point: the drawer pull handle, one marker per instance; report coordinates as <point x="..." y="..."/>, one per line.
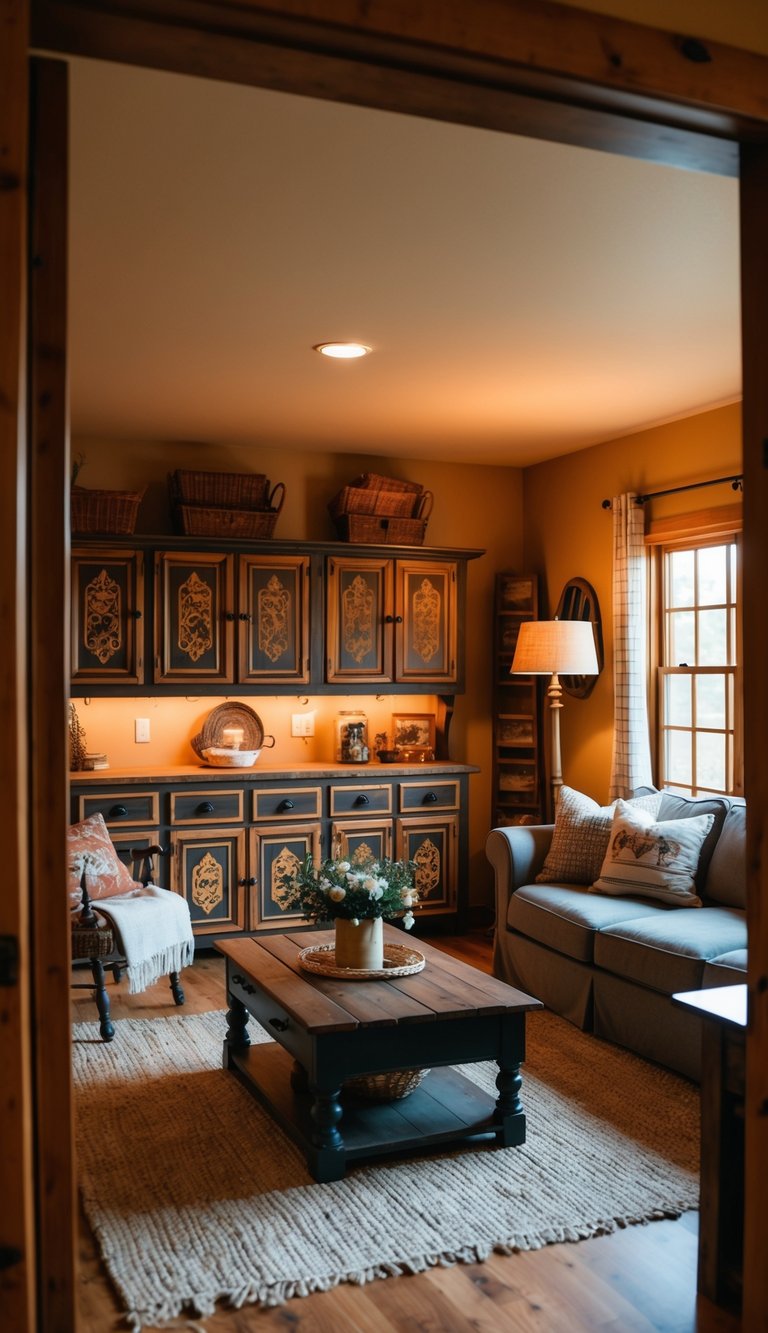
<point x="237" y="980"/>
<point x="279" y="1024"/>
<point x="284" y="805"/>
<point x="362" y="799"/>
<point x="205" y="808"/>
<point x="117" y="811"/>
<point x="429" y="798"/>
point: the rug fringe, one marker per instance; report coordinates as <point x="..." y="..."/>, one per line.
<point x="278" y="1293"/>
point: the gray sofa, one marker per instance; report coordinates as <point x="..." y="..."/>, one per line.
<point x="609" y="964"/>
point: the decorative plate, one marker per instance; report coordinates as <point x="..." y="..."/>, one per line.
<point x="399" y="961"/>
<point x="229" y="715"/>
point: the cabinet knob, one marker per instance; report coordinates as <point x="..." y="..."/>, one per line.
<point x="245" y="616"/>
<point x="246" y="884"/>
<point x="117" y="811"/>
<point x="398" y="620"/>
<point x="205" y="808"/>
<point x="429" y="798"/>
<point x="362" y="799"/>
<point x="229" y="615"/>
<point x="284" y="805"/>
<point x="134" y="615"/>
<point x="389" y="620"/>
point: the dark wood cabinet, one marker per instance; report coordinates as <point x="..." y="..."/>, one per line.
<point x="230" y="837"/>
<point x="326" y="617"/>
<point x="392" y="622"/>
<point x="107" y="617"/>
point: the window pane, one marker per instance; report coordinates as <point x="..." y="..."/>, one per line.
<point x="677" y="701"/>
<point x="679" y="764"/>
<point x="712" y="570"/>
<point x="710" y="701"/>
<point x="681" y="578"/>
<point x="681" y="649"/>
<point x="713" y="644"/>
<point x="710" y="761"/>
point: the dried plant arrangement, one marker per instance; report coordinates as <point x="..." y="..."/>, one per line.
<point x="77" y="743"/>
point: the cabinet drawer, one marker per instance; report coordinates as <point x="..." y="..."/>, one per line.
<point x="121" y="808"/>
<point x="355" y="798"/>
<point x="288" y="803"/>
<point x="204" y="806"/>
<point x="429" y="795"/>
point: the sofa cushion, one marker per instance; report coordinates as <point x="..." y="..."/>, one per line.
<point x="580" y="836"/>
<point x="565" y="917"/>
<point x="727" y="970"/>
<point x="653" y="860"/>
<point x="89" y="845"/>
<point x="674" y="806"/>
<point x="727" y="874"/>
<point x="667" y="951"/>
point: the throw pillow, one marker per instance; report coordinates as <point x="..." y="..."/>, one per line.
<point x="653" y="860"/>
<point x="105" y="873"/>
<point x="581" y="835"/>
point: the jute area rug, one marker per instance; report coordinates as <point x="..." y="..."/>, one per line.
<point x="195" y="1195"/>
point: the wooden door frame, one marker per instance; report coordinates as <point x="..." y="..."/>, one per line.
<point x="527" y="66"/>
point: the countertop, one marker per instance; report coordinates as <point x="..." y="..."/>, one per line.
<point x="371" y="772"/>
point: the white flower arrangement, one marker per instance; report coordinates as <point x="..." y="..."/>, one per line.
<point x="356" y="891"/>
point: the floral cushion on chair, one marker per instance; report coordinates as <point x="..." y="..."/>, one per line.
<point x="105" y="873"/>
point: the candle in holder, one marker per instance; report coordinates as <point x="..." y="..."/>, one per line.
<point x="232" y="737"/>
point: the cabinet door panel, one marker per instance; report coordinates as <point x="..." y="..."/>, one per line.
<point x="195" y="617"/>
<point x="432" y="844"/>
<point x="426" y="640"/>
<point x="107" y="616"/>
<point x="360" y="620"/>
<point x="273" y="619"/>
<point x="362" y="842"/>
<point x="274" y="852"/>
<point x="209" y="871"/>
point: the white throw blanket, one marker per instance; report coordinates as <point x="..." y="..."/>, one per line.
<point x="153" y="930"/>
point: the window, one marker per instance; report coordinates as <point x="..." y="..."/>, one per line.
<point x="699" y="683"/>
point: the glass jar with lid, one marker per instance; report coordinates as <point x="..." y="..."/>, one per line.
<point x="352" y="737"/>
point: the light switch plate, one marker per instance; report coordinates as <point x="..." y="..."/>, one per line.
<point x="142" y="730"/>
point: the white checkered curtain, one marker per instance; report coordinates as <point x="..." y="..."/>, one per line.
<point x="631" y="758"/>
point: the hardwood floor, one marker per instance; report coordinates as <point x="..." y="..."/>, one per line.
<point x="638" y="1280"/>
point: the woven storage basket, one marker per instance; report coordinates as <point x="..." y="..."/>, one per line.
<point x="235" y="490"/>
<point x="92" y="941"/>
<point x="385" y="1087"/>
<point x="373" y="481"/>
<point x="358" y="500"/>
<point x="379" y="530"/>
<point x="206" y="520"/>
<point x="104" y="511"/>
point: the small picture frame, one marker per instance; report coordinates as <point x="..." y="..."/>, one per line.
<point x="414" y="733"/>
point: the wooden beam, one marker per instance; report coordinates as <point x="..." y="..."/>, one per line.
<point x="523" y="66"/>
<point x="17" y="1217"/>
<point x="754" y="305"/>
<point x="48" y="676"/>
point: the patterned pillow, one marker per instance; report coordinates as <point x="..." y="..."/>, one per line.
<point x="105" y="872"/>
<point x="653" y="860"/>
<point x="581" y="835"/>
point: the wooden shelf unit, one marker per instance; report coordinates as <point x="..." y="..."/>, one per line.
<point x="518" y="778"/>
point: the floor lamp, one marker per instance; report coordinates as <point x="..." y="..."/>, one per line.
<point x="555" y="648"/>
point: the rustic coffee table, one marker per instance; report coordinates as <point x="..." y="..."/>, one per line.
<point x="334" y="1030"/>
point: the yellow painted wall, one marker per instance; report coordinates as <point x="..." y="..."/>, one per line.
<point x="474" y="507"/>
<point x="568" y="534"/>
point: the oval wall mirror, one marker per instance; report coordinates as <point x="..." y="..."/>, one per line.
<point x="578" y="601"/>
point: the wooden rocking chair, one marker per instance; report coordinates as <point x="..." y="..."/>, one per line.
<point x="94" y="940"/>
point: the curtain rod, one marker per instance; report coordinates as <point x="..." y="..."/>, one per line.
<point x="736" y="485"/>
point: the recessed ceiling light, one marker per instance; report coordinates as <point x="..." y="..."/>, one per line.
<point x="342" y="351"/>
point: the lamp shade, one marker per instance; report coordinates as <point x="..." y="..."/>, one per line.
<point x="549" y="647"/>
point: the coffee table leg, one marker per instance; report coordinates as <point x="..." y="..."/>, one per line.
<point x="509" y="1115"/>
<point x="237" y="1029"/>
<point x="327" y="1160"/>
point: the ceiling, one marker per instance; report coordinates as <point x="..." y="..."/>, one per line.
<point x="523" y="299"/>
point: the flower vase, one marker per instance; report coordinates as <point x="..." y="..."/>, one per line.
<point x="360" y="946"/>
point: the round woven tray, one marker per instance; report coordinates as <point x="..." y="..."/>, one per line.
<point x="399" y="961"/>
<point x="231" y="715"/>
